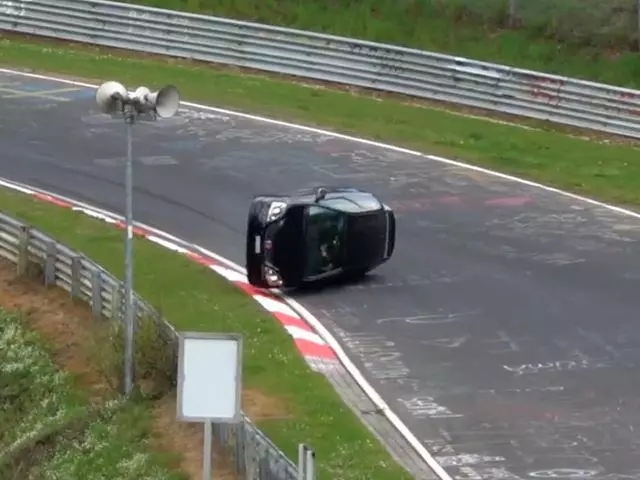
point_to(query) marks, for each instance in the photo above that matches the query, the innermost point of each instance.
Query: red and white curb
(310, 345)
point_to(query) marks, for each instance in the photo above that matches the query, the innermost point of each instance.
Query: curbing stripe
(50, 199)
(276, 305)
(304, 335)
(288, 321)
(309, 343)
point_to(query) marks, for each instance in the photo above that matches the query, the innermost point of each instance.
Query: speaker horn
(108, 96)
(165, 101)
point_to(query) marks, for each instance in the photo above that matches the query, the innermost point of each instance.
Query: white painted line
(272, 305)
(373, 395)
(166, 244)
(46, 77)
(360, 379)
(323, 333)
(13, 186)
(46, 94)
(92, 213)
(301, 334)
(233, 275)
(314, 322)
(362, 141)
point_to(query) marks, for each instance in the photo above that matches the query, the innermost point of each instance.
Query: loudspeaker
(166, 101)
(108, 95)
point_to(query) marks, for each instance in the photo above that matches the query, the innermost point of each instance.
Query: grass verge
(607, 169)
(590, 39)
(281, 394)
(52, 430)
(305, 408)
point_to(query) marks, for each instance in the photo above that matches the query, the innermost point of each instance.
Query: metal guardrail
(250, 452)
(329, 58)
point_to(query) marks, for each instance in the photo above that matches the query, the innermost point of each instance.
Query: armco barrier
(322, 57)
(255, 457)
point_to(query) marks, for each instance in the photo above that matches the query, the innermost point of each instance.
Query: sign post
(209, 384)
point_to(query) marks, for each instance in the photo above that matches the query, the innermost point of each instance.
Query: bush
(155, 356)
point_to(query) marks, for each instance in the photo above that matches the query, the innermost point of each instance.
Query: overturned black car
(317, 234)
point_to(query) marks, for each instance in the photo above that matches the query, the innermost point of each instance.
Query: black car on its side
(316, 234)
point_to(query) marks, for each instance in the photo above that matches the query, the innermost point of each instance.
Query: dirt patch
(172, 436)
(64, 324)
(258, 406)
(69, 329)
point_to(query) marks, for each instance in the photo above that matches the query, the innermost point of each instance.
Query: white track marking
(364, 141)
(302, 334)
(321, 330)
(275, 306)
(313, 321)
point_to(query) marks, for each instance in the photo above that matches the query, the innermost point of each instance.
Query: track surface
(505, 329)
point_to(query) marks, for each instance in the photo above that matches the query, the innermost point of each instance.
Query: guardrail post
(306, 463)
(51, 256)
(310, 466)
(23, 249)
(302, 461)
(240, 450)
(96, 293)
(116, 302)
(223, 435)
(251, 455)
(263, 467)
(75, 276)
(255, 455)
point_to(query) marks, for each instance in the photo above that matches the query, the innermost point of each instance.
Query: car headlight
(272, 277)
(276, 209)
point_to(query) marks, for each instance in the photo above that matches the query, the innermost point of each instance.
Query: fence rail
(252, 454)
(389, 68)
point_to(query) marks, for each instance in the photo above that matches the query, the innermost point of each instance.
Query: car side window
(341, 203)
(324, 236)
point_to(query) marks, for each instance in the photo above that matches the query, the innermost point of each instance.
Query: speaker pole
(129, 364)
(113, 99)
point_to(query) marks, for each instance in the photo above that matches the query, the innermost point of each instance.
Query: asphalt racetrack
(505, 331)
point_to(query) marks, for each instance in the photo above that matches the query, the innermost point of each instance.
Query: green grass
(201, 301)
(193, 298)
(610, 171)
(40, 406)
(35, 395)
(114, 445)
(582, 38)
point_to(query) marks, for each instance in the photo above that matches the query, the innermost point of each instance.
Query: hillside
(60, 416)
(588, 39)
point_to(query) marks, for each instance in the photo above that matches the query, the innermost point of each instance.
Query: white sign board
(209, 377)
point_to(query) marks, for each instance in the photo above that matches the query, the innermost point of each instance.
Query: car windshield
(324, 234)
